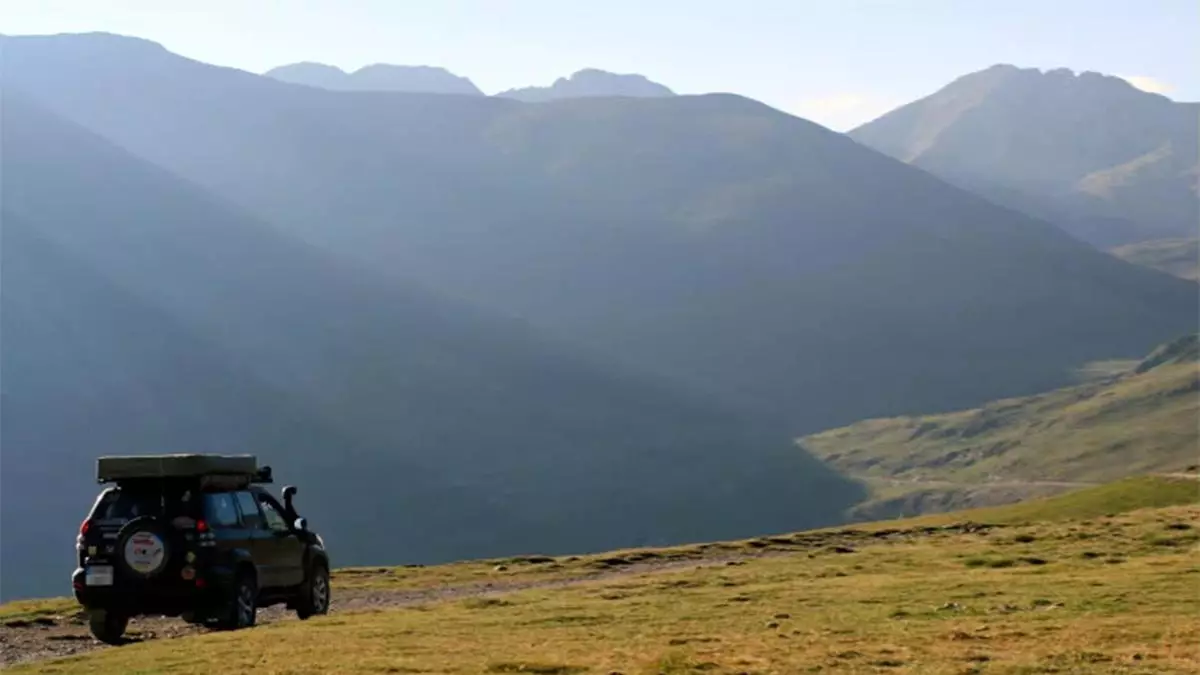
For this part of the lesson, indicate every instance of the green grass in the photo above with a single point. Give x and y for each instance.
(1180, 257)
(1143, 419)
(31, 610)
(1130, 494)
(1118, 497)
(1065, 596)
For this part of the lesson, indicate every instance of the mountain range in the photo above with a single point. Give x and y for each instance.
(1108, 162)
(376, 77)
(434, 80)
(500, 327)
(710, 240)
(590, 82)
(144, 315)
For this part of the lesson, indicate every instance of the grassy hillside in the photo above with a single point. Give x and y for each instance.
(1123, 496)
(1144, 419)
(1067, 589)
(1180, 257)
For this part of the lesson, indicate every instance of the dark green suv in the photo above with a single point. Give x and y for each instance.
(194, 536)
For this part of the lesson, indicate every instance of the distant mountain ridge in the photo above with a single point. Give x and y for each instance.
(376, 77)
(434, 80)
(1108, 162)
(591, 82)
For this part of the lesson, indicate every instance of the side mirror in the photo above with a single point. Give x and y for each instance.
(301, 525)
(289, 491)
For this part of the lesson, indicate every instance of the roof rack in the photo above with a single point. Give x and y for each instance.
(117, 468)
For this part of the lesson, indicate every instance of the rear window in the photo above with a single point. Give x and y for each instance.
(124, 504)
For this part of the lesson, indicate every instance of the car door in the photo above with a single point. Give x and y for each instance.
(263, 547)
(288, 546)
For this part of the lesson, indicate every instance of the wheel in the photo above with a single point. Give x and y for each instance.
(242, 608)
(314, 598)
(107, 626)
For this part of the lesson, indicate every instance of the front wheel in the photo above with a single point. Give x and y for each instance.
(107, 626)
(314, 599)
(242, 610)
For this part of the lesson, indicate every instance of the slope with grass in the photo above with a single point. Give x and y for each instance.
(1180, 257)
(1140, 420)
(1108, 162)
(1078, 585)
(710, 240)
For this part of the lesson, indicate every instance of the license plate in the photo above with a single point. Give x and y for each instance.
(99, 576)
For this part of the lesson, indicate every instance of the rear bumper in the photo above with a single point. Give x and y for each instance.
(165, 598)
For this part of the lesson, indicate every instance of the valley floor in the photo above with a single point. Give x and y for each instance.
(1061, 586)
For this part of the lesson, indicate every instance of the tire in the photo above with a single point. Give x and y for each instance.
(314, 597)
(144, 548)
(241, 610)
(107, 626)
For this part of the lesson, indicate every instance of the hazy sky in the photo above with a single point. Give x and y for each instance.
(837, 62)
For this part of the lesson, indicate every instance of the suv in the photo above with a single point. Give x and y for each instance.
(194, 536)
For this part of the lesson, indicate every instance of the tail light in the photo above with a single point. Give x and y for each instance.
(201, 526)
(84, 527)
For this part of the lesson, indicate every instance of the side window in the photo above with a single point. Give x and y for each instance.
(275, 520)
(251, 517)
(219, 510)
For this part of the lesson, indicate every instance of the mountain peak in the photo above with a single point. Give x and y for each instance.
(1092, 152)
(375, 77)
(78, 44)
(305, 67)
(1002, 74)
(592, 82)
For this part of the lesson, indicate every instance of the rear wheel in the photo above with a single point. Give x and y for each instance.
(107, 626)
(314, 598)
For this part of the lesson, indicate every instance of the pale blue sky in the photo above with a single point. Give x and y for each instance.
(837, 62)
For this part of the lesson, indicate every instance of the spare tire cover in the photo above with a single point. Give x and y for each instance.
(143, 547)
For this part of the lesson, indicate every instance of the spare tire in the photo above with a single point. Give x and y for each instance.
(143, 548)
